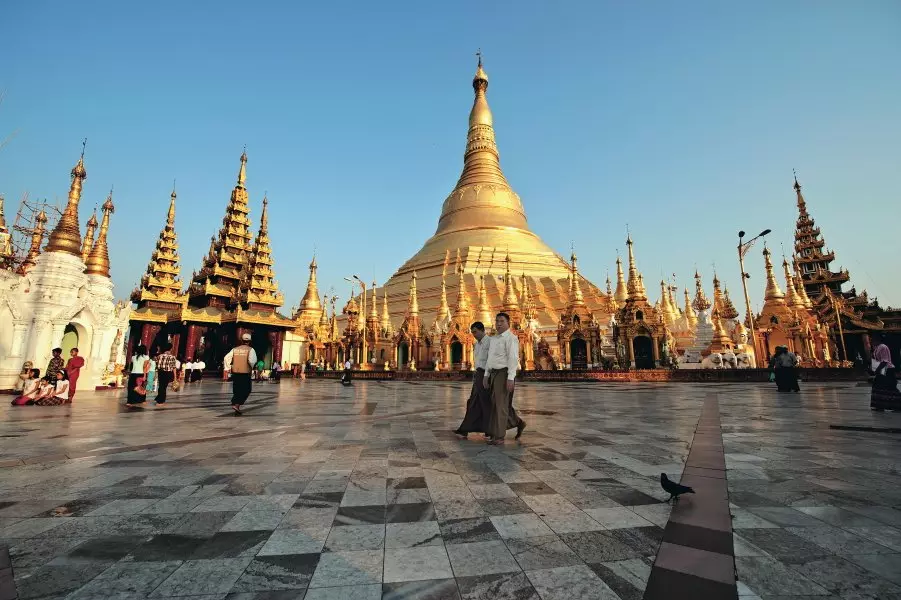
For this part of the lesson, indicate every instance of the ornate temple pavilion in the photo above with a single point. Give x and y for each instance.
(233, 293)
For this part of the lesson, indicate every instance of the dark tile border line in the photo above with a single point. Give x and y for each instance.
(867, 429)
(45, 458)
(696, 557)
(7, 581)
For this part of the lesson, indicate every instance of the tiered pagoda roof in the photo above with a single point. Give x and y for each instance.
(259, 289)
(813, 260)
(161, 285)
(218, 283)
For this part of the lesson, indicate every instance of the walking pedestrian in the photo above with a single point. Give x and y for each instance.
(140, 365)
(240, 361)
(478, 405)
(500, 379)
(73, 369)
(165, 372)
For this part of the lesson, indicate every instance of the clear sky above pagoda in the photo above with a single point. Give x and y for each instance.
(683, 120)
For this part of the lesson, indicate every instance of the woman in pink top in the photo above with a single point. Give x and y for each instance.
(885, 394)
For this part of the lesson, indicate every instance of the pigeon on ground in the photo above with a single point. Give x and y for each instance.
(672, 488)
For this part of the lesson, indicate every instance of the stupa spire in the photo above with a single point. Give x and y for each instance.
(701, 303)
(575, 289)
(160, 281)
(635, 285)
(462, 308)
(98, 260)
(413, 304)
(6, 249)
(691, 317)
(773, 292)
(792, 298)
(88, 241)
(801, 288)
(242, 171)
(37, 236)
(481, 162)
(386, 316)
(511, 304)
(66, 236)
(668, 310)
(528, 305)
(310, 303)
(622, 293)
(373, 306)
(259, 286)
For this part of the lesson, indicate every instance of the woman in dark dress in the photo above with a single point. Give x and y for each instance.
(884, 394)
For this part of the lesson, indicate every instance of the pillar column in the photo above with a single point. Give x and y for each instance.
(176, 339)
(630, 352)
(191, 345)
(146, 334)
(277, 346)
(655, 350)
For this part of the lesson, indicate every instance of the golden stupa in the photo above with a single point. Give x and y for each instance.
(483, 226)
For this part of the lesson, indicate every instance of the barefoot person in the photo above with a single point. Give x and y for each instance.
(500, 376)
(477, 407)
(73, 369)
(239, 361)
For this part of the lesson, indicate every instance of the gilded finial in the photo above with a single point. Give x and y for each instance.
(97, 262)
(242, 172)
(88, 241)
(66, 236)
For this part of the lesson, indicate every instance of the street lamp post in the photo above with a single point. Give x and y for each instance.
(743, 247)
(363, 358)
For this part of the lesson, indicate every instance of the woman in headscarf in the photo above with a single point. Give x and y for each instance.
(884, 394)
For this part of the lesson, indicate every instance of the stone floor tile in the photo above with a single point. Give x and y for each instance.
(290, 541)
(281, 572)
(481, 558)
(844, 578)
(882, 535)
(407, 535)
(570, 583)
(881, 565)
(617, 518)
(838, 517)
(350, 592)
(55, 581)
(502, 586)
(127, 578)
(413, 564)
(599, 546)
(545, 552)
(520, 526)
(461, 531)
(356, 537)
(436, 589)
(215, 576)
(770, 577)
(838, 541)
(231, 544)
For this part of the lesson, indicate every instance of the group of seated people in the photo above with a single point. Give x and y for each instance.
(46, 391)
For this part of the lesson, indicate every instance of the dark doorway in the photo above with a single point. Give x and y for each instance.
(403, 354)
(456, 349)
(642, 346)
(578, 351)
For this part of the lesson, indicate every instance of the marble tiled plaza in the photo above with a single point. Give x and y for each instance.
(324, 492)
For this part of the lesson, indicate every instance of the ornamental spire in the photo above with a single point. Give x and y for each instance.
(374, 308)
(461, 310)
(511, 304)
(386, 316)
(413, 303)
(88, 241)
(481, 162)
(773, 293)
(728, 311)
(575, 290)
(701, 303)
(800, 287)
(621, 291)
(259, 286)
(484, 310)
(37, 236)
(792, 298)
(98, 260)
(66, 236)
(635, 285)
(802, 205)
(691, 318)
(668, 310)
(6, 250)
(309, 304)
(528, 306)
(242, 172)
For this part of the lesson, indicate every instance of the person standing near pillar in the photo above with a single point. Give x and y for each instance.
(240, 362)
(55, 365)
(499, 379)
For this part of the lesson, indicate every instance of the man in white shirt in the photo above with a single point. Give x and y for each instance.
(500, 376)
(240, 361)
(348, 369)
(478, 405)
(199, 366)
(189, 371)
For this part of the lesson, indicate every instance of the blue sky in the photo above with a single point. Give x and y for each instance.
(682, 120)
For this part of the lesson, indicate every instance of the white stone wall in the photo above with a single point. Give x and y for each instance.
(36, 308)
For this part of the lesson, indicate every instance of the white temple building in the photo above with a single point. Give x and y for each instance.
(61, 297)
